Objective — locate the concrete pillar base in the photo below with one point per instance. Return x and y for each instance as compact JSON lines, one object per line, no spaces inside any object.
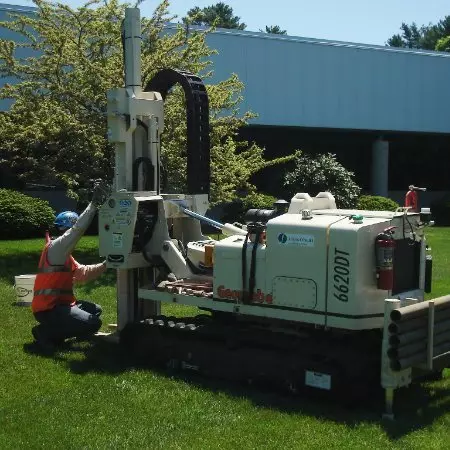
{"x":380,"y":167}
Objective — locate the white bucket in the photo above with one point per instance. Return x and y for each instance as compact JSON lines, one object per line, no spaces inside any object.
{"x":24,"y":286}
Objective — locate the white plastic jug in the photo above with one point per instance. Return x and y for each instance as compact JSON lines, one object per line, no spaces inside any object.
{"x":24,"y":285}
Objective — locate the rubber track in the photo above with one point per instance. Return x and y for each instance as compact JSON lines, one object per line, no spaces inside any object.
{"x":244,"y":352}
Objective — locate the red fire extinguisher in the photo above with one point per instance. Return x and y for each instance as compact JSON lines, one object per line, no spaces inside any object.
{"x":384,"y":250}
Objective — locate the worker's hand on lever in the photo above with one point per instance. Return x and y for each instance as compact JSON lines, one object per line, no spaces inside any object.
{"x":100,"y":193}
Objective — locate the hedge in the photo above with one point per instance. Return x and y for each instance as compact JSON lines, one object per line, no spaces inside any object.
{"x":376,"y":203}
{"x":23,"y":216}
{"x":235,"y":210}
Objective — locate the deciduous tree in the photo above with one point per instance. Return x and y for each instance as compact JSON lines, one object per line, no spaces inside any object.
{"x":56,"y":129}
{"x":443,"y":44}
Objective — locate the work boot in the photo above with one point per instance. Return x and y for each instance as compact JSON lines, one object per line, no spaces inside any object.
{"x":42,"y":342}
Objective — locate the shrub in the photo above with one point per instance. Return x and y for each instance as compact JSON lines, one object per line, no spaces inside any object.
{"x":376,"y":203}
{"x":235,"y":211}
{"x":258,"y":200}
{"x":23,"y":216}
{"x":323,"y":173}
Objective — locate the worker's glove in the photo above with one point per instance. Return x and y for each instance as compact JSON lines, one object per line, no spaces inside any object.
{"x":100,"y":193}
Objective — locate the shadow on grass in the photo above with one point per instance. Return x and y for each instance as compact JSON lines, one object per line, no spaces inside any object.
{"x":415,"y":407}
{"x":100,"y":356}
{"x":21,"y":263}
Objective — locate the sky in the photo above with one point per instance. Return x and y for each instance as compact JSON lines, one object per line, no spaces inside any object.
{"x":361,"y":21}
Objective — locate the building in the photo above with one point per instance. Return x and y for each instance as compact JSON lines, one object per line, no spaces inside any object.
{"x":381,"y":110}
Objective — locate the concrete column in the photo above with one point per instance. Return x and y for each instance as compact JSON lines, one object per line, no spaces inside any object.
{"x":380,"y":167}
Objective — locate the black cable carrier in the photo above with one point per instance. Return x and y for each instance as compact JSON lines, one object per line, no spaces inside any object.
{"x":197,"y":108}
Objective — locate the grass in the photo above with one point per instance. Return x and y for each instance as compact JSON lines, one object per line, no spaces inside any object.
{"x":91,"y":396}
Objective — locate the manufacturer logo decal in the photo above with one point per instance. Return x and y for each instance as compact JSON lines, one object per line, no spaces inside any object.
{"x":233,"y":294}
{"x":301,"y":240}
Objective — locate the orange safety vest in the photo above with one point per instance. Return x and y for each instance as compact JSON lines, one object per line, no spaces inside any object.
{"x":54,"y":284}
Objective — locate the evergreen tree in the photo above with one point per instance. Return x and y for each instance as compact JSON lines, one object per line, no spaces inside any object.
{"x":219,"y":15}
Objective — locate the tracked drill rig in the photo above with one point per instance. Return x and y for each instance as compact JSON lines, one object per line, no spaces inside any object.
{"x":300,"y":295}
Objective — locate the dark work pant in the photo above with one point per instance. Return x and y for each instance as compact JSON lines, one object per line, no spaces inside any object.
{"x":65,"y":321}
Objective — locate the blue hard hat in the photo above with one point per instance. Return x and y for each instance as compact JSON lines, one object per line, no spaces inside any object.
{"x":66,"y":219}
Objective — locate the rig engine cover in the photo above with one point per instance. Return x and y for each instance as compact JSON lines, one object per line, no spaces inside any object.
{"x":320,"y":268}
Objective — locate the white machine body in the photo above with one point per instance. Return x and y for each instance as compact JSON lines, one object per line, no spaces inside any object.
{"x":314,"y":265}
{"x":320,"y":270}
{"x":134,"y":227}
{"x":119,"y":241}
{"x":312,"y":271}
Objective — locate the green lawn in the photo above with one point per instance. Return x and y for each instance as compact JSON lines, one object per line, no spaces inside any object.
{"x":91,"y":396}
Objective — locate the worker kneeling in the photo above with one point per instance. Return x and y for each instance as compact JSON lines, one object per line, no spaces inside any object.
{"x":54,"y":306}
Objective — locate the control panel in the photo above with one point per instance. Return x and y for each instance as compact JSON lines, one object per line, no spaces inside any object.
{"x":127,"y":221}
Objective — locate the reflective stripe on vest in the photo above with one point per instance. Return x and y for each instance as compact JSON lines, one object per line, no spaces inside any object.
{"x":53,"y":292}
{"x":51,"y":269}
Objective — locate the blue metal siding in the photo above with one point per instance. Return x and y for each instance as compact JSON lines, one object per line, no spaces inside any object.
{"x":5,"y":11}
{"x":305,"y":82}
{"x":296,"y":82}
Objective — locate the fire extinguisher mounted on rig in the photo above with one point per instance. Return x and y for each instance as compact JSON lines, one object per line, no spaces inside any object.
{"x":384,"y":253}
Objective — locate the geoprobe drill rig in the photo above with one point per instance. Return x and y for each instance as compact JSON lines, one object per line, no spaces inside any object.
{"x":296,"y":297}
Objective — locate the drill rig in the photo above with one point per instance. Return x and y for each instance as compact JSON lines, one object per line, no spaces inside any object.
{"x":300,"y":296}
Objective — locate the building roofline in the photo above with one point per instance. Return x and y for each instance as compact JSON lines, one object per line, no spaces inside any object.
{"x":279,"y":37}
{"x":316,"y":41}
{"x":16,"y":8}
